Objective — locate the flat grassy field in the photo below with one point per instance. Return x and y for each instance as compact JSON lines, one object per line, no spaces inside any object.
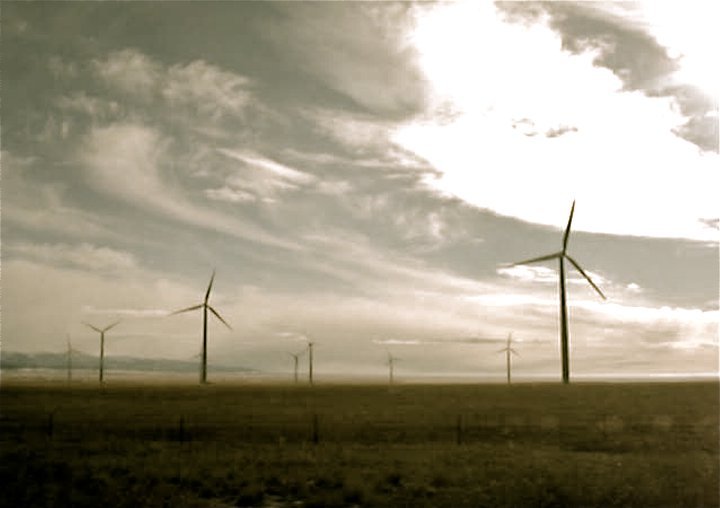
{"x":542,"y":445}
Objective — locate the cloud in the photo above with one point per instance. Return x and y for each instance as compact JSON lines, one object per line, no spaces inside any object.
{"x":369,"y":61}
{"x":653,"y":48}
{"x":131,"y":72}
{"x":128,"y":160}
{"x":207,"y":89}
{"x":260,"y":178}
{"x":44,"y":208}
{"x":624,"y":140}
{"x":96,"y":108}
{"x":126,"y":313}
{"x":230,"y":195}
{"x":197,"y":89}
{"x":85,"y":256}
{"x":397,"y":342}
{"x":527,"y":273}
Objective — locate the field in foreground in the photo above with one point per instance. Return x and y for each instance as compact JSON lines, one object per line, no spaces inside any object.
{"x":644,"y":445}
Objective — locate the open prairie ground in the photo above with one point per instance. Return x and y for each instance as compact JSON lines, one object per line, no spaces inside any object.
{"x":587,"y":445}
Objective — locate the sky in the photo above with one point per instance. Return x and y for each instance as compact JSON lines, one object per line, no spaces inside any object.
{"x":363,"y":175}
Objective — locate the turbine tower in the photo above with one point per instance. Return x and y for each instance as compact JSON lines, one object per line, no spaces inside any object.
{"x":391,"y":366}
{"x":561,"y":257}
{"x":296,"y":358}
{"x":310,"y":362}
{"x":69,"y":358}
{"x":205,"y":306}
{"x":102,"y":331}
{"x":508,"y":350}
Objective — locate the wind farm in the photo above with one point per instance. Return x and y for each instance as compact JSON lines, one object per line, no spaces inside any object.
{"x":258,"y":413}
{"x":540,"y":429}
{"x":462,"y":255}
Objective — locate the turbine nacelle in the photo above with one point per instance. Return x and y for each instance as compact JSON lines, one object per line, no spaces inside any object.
{"x":564,"y":255}
{"x":508,"y":349}
{"x":101,"y":330}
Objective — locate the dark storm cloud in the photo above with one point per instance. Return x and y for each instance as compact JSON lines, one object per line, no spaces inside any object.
{"x":631,"y":53}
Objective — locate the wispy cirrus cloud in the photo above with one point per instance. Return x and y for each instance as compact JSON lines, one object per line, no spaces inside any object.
{"x":128,"y":160}
{"x":84,"y":256}
{"x":258,"y":178}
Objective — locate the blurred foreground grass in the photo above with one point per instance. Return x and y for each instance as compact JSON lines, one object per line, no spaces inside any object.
{"x":539,"y":445}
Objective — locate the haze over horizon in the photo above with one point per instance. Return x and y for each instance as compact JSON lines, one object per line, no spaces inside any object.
{"x":362,"y":173}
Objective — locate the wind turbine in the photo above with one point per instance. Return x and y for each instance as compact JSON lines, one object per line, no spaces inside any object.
{"x":310,"y":361}
{"x":296,"y":357}
{"x":391,"y":366}
{"x":205,"y":306}
{"x":561,"y":256}
{"x":508,"y":350}
{"x":69,"y":353}
{"x":102,"y":331}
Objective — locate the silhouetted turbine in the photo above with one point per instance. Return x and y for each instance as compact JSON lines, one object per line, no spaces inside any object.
{"x":310,"y":362}
{"x":69,"y":358}
{"x":101,"y":331}
{"x":296,"y":357}
{"x":205,"y":306}
{"x":391,"y":366}
{"x":508,"y":350}
{"x":561,"y":256}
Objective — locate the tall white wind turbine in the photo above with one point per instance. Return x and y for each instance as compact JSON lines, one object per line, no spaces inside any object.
{"x":561,"y":256}
{"x":205,"y":306}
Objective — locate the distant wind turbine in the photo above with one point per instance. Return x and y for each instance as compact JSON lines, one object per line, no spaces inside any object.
{"x":391,"y":366}
{"x":310,"y":361}
{"x":508,"y":350}
{"x":205,"y":306}
{"x":561,"y":256}
{"x":102,"y":331}
{"x":69,"y":358}
{"x":296,"y":357}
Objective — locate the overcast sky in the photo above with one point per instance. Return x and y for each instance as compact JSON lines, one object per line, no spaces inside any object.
{"x":362,"y":174}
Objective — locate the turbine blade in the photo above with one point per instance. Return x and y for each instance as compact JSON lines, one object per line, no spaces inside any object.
{"x":111,"y":326}
{"x":514,"y":352}
{"x":199,"y":305}
{"x":577,"y":266}
{"x":207,"y":293}
{"x":218,"y":316}
{"x":541,"y":258}
{"x":566,"y":236}
{"x":93,"y":327}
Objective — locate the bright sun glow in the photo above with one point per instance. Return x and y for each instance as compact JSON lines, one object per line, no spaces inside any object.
{"x":532,"y":127}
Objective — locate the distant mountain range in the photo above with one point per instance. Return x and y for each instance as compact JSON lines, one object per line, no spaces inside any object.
{"x":11,"y":360}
